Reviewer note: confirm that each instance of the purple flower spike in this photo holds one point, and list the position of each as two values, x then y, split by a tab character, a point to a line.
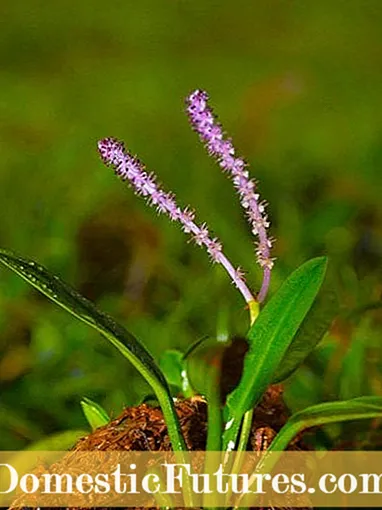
128	167
220	147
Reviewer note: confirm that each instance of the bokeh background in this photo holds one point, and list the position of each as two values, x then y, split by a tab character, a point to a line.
297	85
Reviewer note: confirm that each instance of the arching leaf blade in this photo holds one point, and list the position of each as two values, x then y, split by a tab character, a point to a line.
361	408
311	331
83	309
269	339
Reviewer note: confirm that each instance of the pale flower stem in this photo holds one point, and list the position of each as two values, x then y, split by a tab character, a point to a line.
128	167
264	285
241	285
221	148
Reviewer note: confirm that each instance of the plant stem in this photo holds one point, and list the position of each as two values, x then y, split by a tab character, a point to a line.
254	310
245	431
231	432
214	423
176	436
172	422
214	437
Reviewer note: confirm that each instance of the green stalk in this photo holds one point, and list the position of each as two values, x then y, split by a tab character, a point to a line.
254	310
172	421
214	421
214	428
245	431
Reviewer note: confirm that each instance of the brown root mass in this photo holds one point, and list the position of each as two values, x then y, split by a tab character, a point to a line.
143	428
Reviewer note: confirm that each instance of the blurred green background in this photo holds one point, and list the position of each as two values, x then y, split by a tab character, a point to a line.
297	85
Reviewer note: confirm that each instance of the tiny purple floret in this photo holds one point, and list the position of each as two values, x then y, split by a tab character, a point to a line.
129	168
221	148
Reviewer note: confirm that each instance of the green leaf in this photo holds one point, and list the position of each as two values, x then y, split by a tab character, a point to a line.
94	413
330	412
321	414
171	364
86	311
204	364
69	299
269	339
310	333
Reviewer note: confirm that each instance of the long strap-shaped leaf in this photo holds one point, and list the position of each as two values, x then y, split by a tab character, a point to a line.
86	311
329	412
269	339
361	408
312	329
